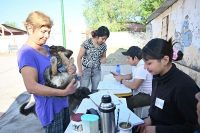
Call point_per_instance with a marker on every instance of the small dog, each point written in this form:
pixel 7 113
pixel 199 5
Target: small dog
pixel 76 98
pixel 55 75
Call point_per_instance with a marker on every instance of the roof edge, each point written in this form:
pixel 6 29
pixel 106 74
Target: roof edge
pixel 161 9
pixel 13 28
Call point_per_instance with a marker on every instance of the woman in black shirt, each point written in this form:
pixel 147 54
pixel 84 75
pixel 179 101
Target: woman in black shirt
pixel 173 103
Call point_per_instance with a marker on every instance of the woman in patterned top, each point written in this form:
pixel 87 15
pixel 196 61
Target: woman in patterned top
pixel 92 53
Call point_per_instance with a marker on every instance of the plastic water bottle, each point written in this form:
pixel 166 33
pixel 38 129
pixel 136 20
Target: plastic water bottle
pixel 118 69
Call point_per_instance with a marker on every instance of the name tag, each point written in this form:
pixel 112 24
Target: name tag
pixel 159 103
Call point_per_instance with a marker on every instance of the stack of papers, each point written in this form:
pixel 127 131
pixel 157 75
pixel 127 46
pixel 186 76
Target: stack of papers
pixel 112 86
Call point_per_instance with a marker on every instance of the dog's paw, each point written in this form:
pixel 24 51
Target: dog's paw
pixel 71 60
pixel 53 60
pixel 30 103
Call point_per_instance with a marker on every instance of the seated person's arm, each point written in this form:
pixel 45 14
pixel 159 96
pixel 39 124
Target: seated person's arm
pixel 147 122
pixel 123 77
pixel 133 84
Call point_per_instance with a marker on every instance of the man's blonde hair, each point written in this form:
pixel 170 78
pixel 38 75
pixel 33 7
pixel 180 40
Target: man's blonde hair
pixel 38 19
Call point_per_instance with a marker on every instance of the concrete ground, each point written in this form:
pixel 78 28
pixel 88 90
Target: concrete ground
pixel 11 83
pixel 11 86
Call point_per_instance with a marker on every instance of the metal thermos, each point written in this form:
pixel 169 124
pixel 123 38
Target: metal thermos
pixel 107 114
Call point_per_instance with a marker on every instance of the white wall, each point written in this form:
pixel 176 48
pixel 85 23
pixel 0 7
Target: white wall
pixel 125 40
pixel 184 27
pixel 114 42
pixel 74 39
pixel 11 40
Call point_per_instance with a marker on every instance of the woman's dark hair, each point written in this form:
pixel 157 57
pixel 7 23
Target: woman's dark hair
pixel 101 31
pixel 158 48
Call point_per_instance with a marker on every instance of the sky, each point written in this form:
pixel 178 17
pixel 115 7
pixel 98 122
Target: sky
pixel 17 11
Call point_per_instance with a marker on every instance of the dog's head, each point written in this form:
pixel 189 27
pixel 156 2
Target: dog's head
pixel 57 52
pixel 55 49
pixel 81 93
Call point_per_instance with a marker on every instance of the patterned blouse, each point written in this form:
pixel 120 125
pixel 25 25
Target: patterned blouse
pixel 93 55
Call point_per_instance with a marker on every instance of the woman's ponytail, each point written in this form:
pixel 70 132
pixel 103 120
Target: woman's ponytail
pixel 177 54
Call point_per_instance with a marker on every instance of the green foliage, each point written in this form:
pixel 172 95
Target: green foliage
pixel 112 13
pixel 147 7
pixel 12 24
pixel 115 14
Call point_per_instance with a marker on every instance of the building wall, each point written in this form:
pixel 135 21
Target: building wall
pixel 115 41
pixel 15 40
pixel 125 40
pixel 74 39
pixel 184 28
